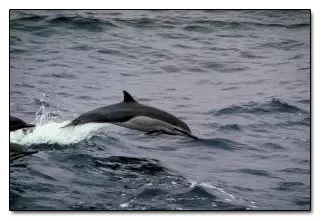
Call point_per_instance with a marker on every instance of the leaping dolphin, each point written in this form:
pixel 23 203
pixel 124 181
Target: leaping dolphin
pixel 16 150
pixel 132 114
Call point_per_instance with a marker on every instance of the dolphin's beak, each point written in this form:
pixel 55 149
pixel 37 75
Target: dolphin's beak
pixel 28 126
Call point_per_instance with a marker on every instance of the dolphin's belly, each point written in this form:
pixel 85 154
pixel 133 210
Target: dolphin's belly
pixel 148 124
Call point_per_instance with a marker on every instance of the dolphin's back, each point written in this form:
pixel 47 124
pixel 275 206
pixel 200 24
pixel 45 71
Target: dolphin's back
pixel 125 111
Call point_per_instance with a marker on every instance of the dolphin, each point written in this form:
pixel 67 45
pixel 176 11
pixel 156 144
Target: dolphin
pixel 17 123
pixel 16 150
pixel 131 114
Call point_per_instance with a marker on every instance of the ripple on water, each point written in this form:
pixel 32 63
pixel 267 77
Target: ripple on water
pixel 289 186
pixel 79 22
pixel 230 127
pixel 255 172
pixel 273 106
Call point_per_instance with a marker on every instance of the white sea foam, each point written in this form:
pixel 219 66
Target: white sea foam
pixel 52 132
pixel 217 191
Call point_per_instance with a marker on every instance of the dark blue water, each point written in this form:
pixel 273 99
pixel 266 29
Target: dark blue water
pixel 239 79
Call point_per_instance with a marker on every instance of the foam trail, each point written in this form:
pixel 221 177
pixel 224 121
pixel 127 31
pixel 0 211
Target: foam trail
pixel 228 197
pixel 53 133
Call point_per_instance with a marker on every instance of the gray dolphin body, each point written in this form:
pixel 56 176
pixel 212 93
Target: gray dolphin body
pixel 131 114
pixel 17 123
pixel 16 150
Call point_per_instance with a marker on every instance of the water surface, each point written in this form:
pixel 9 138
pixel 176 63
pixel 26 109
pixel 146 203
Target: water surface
pixel 239 79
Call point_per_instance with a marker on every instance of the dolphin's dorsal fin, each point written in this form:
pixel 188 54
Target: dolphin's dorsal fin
pixel 127 97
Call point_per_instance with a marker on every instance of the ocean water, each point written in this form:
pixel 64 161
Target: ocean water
pixel 240 80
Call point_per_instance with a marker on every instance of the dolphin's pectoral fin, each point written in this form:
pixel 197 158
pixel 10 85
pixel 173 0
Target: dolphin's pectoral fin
pixel 166 132
pixel 159 132
pixel 187 133
pixel 172 133
pixel 152 132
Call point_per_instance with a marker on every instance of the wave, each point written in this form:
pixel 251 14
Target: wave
pixel 222 67
pixel 198 28
pixel 78 22
pixel 28 17
pixel 62 75
pixel 138 22
pixel 304 201
pixel 273 146
pixel 234 69
pixel 219 24
pixel 231 35
pixel 91 23
pixel 255 172
pixel 35 22
pixel 223 49
pixel 221 143
pixel 304 101
pixel 14 40
pixel 137 184
pixel 229 88
pixel 284 45
pixel 82 47
pixel 210 25
pixel 173 35
pixel 266 127
pixel 230 127
pixel 296 170
pixel 250 55
pixel 273 106
pixel 25 85
pixel 114 52
pixel 305 121
pixel 132 164
pixel 139 180
pixel 289 186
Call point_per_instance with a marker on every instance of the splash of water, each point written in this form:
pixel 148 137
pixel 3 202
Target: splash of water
pixel 49 130
pixel 53 133
pixel 227 197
